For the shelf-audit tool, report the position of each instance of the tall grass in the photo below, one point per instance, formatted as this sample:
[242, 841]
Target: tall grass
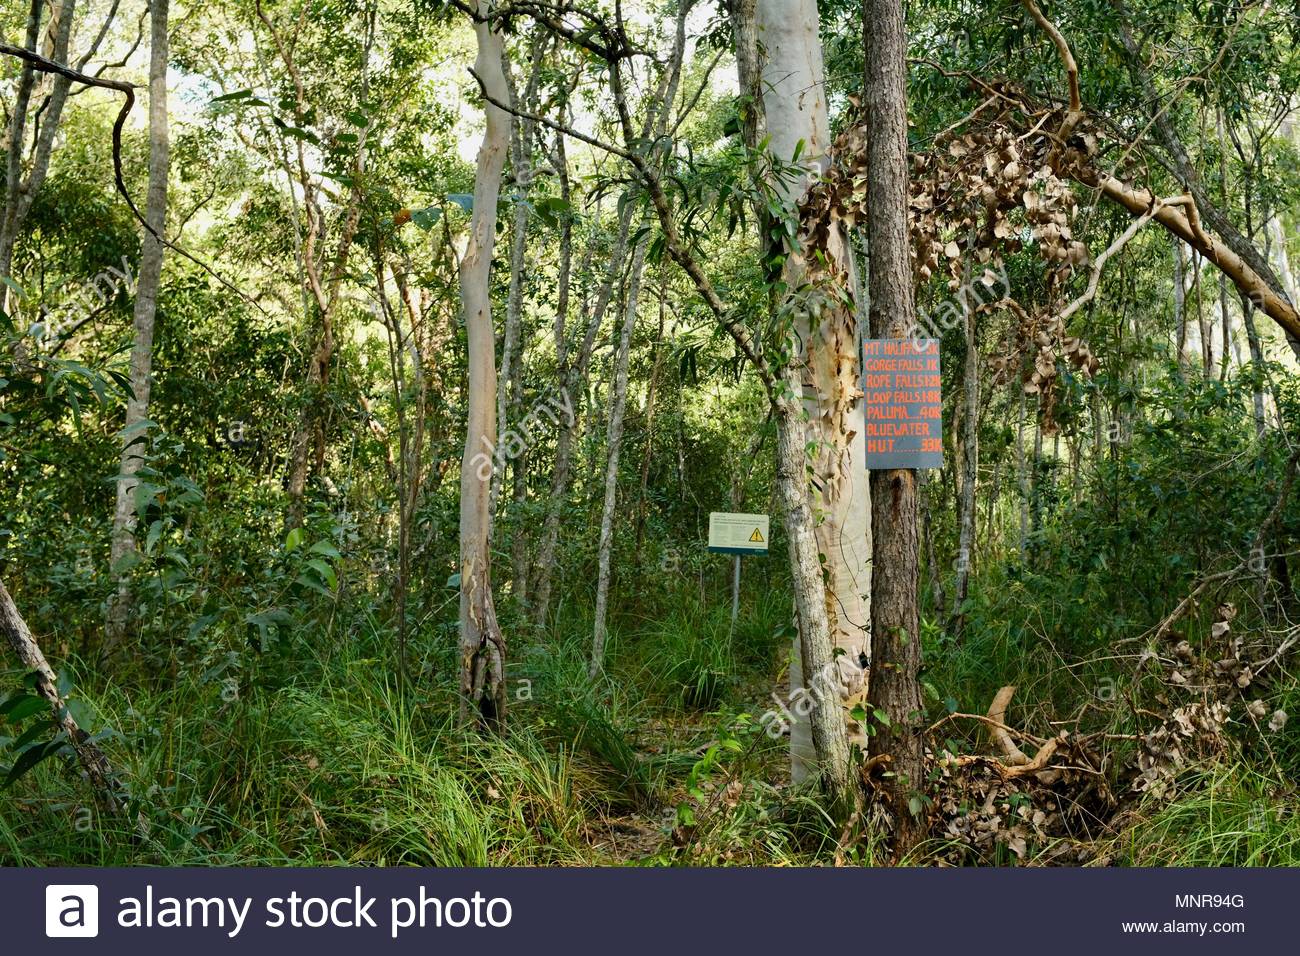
[1231, 816]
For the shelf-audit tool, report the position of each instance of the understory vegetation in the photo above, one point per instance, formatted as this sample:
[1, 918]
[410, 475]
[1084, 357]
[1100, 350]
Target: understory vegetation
[291, 742]
[364, 519]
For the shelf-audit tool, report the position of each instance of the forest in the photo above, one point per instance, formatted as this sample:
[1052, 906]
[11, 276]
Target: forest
[377, 377]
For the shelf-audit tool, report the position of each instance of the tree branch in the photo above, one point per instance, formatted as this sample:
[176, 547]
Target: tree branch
[128, 91]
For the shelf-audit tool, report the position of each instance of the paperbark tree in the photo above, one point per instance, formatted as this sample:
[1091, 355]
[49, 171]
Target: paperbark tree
[797, 125]
[134, 434]
[894, 683]
[482, 645]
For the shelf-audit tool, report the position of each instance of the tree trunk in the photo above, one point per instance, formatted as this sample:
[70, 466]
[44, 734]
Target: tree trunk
[20, 193]
[969, 466]
[1257, 359]
[1022, 472]
[134, 434]
[1180, 304]
[614, 446]
[482, 645]
[509, 393]
[652, 391]
[818, 696]
[1229, 340]
[895, 620]
[17, 135]
[795, 111]
[933, 571]
[573, 380]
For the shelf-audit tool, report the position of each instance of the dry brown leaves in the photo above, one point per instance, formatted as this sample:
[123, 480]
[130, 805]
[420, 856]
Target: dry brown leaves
[977, 195]
[985, 810]
[984, 814]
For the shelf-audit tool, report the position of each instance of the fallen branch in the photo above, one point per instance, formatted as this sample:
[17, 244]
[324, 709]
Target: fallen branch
[1016, 762]
[1040, 761]
[987, 721]
[92, 759]
[997, 719]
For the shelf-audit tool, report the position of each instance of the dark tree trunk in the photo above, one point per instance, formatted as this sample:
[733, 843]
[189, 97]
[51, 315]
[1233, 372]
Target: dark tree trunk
[895, 621]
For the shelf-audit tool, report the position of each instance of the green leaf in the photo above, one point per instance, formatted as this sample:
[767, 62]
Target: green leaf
[464, 200]
[325, 571]
[21, 706]
[28, 735]
[426, 218]
[294, 539]
[296, 132]
[29, 758]
[151, 539]
[311, 583]
[80, 712]
[128, 560]
[144, 494]
[326, 548]
[18, 290]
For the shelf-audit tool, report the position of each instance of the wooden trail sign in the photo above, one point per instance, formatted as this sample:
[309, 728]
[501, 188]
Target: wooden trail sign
[903, 403]
[731, 533]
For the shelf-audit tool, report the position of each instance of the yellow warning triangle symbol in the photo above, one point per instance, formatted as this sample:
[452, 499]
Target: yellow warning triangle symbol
[756, 536]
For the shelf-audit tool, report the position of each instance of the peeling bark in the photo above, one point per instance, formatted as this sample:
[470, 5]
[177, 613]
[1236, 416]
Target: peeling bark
[796, 116]
[482, 645]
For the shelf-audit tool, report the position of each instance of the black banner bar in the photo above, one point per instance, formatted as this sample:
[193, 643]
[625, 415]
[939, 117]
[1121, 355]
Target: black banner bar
[659, 912]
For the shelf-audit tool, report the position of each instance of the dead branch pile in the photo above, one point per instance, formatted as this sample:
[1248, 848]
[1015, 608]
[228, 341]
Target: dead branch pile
[1202, 699]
